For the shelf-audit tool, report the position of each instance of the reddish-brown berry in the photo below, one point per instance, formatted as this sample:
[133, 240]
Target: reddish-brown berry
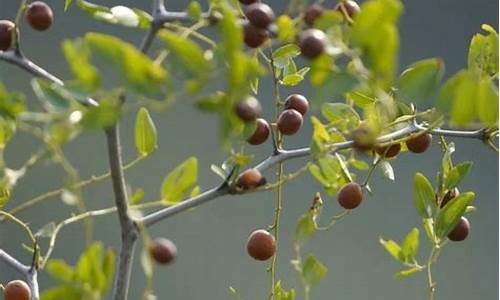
[163, 251]
[312, 13]
[17, 290]
[350, 195]
[419, 144]
[248, 109]
[312, 43]
[259, 15]
[250, 179]
[247, 2]
[39, 15]
[6, 29]
[261, 245]
[388, 151]
[289, 122]
[297, 102]
[450, 195]
[350, 7]
[254, 37]
[261, 132]
[461, 230]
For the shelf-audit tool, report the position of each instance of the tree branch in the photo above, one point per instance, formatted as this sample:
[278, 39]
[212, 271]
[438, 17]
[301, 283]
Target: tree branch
[27, 271]
[283, 155]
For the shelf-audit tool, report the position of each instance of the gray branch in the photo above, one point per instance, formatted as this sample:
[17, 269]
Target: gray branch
[28, 272]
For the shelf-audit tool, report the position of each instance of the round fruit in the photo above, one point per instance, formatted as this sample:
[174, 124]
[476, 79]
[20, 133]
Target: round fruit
[289, 122]
[350, 195]
[312, 13]
[297, 102]
[163, 251]
[312, 43]
[17, 290]
[450, 195]
[39, 15]
[254, 37]
[461, 230]
[363, 137]
[351, 8]
[261, 132]
[261, 245]
[6, 28]
[388, 151]
[250, 179]
[260, 15]
[247, 2]
[420, 143]
[248, 109]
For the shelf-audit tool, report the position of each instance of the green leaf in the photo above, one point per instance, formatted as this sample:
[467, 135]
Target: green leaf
[180, 181]
[284, 54]
[456, 174]
[393, 249]
[424, 198]
[483, 52]
[387, 170]
[360, 100]
[60, 270]
[137, 70]
[281, 294]
[487, 102]
[409, 248]
[194, 10]
[408, 272]
[145, 133]
[305, 229]
[78, 58]
[94, 268]
[450, 215]
[11, 104]
[335, 84]
[313, 270]
[286, 29]
[46, 231]
[340, 115]
[421, 80]
[53, 96]
[67, 4]
[106, 114]
[292, 79]
[61, 292]
[108, 268]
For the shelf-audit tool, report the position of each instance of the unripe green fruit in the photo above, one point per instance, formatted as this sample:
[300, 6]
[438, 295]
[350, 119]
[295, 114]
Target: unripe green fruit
[388, 151]
[248, 109]
[351, 8]
[364, 137]
[261, 245]
[350, 195]
[461, 230]
[17, 290]
[312, 43]
[289, 122]
[297, 102]
[419, 144]
[254, 37]
[312, 13]
[259, 15]
[261, 133]
[6, 28]
[39, 15]
[250, 179]
[450, 195]
[163, 251]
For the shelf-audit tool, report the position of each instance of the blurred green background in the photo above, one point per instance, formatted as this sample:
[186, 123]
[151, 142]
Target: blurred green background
[211, 239]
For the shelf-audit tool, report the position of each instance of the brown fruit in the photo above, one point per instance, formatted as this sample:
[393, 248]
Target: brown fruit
[450, 195]
[312, 42]
[250, 179]
[163, 251]
[388, 151]
[364, 137]
[461, 230]
[312, 13]
[289, 122]
[248, 109]
[254, 37]
[247, 2]
[261, 245]
[17, 290]
[297, 102]
[261, 132]
[350, 195]
[6, 28]
[259, 15]
[351, 8]
[419, 144]
[39, 15]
